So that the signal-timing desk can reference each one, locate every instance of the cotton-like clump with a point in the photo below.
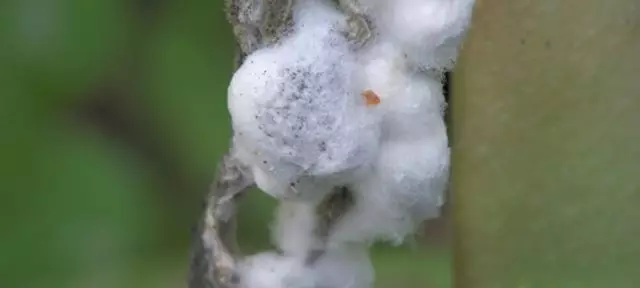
(297, 114)
(400, 196)
(428, 31)
(407, 180)
(300, 122)
(270, 270)
(348, 267)
(295, 223)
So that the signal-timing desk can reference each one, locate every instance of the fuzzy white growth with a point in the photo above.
(270, 270)
(297, 116)
(293, 229)
(406, 183)
(428, 31)
(300, 123)
(348, 267)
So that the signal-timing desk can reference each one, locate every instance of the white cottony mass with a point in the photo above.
(427, 31)
(298, 118)
(310, 113)
(348, 267)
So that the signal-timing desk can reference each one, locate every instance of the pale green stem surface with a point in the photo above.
(546, 152)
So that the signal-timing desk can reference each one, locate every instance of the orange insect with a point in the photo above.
(370, 97)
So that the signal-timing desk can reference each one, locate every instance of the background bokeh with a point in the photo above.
(112, 116)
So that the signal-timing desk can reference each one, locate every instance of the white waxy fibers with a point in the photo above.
(348, 267)
(301, 123)
(297, 115)
(427, 31)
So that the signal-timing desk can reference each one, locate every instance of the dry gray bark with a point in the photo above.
(214, 251)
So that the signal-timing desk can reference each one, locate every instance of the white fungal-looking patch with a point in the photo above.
(270, 270)
(297, 113)
(347, 267)
(428, 31)
(407, 179)
(293, 229)
(301, 124)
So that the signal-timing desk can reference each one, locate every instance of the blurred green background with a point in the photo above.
(113, 116)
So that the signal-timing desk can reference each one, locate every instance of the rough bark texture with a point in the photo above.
(545, 120)
(214, 252)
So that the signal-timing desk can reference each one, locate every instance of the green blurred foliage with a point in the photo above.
(113, 116)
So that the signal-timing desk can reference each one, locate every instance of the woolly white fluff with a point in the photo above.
(270, 270)
(301, 125)
(298, 117)
(410, 172)
(348, 267)
(428, 31)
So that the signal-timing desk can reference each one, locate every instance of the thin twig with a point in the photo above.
(215, 253)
